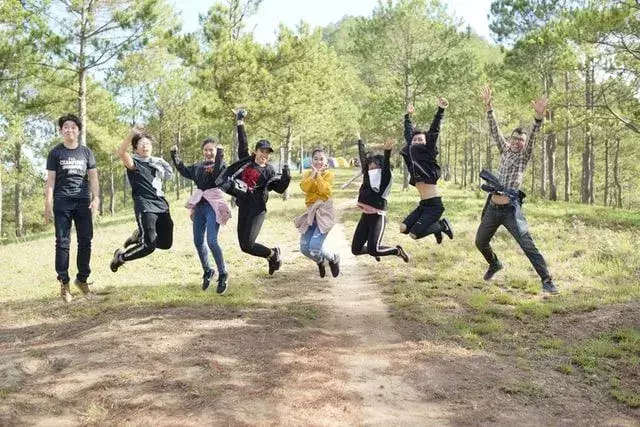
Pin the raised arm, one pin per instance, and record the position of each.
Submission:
(243, 144)
(434, 129)
(364, 166)
(386, 166)
(408, 125)
(493, 125)
(539, 106)
(122, 152)
(187, 172)
(219, 165)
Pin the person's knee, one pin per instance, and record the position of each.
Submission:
(403, 228)
(84, 242)
(481, 242)
(246, 247)
(63, 242)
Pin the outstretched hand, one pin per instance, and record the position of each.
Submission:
(174, 149)
(540, 106)
(487, 97)
(389, 144)
(410, 109)
(239, 113)
(442, 103)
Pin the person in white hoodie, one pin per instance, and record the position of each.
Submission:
(145, 173)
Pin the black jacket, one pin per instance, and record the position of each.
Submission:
(368, 195)
(258, 196)
(203, 174)
(421, 160)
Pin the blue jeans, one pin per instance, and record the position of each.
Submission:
(204, 218)
(312, 245)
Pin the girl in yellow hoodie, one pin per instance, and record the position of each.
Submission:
(317, 221)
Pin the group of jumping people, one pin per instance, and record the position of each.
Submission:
(72, 195)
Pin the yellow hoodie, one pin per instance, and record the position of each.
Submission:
(318, 188)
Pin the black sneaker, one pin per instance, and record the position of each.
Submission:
(321, 269)
(548, 288)
(492, 270)
(133, 239)
(402, 254)
(438, 237)
(275, 261)
(335, 265)
(222, 284)
(206, 279)
(117, 260)
(446, 228)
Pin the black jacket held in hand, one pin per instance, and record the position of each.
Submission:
(259, 180)
(368, 195)
(203, 174)
(421, 160)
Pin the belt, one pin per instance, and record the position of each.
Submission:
(497, 206)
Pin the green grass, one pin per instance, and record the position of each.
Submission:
(591, 252)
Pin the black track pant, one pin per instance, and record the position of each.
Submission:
(424, 219)
(249, 226)
(368, 237)
(156, 231)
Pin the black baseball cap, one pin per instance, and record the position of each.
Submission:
(263, 143)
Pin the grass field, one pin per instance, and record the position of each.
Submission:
(579, 350)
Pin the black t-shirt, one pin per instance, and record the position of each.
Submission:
(256, 177)
(71, 167)
(146, 197)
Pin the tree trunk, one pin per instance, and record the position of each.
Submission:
(586, 195)
(471, 161)
(287, 152)
(82, 79)
(112, 188)
(551, 153)
(616, 175)
(567, 143)
(605, 199)
(543, 166)
(101, 190)
(448, 166)
(455, 159)
(18, 191)
(466, 164)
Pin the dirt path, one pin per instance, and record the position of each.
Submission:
(357, 343)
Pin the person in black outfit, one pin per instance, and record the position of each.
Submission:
(145, 173)
(71, 194)
(420, 155)
(372, 200)
(249, 180)
(209, 208)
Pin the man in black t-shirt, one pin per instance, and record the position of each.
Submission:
(145, 173)
(71, 194)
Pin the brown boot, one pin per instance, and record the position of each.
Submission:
(83, 286)
(65, 292)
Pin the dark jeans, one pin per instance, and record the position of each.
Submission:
(78, 212)
(423, 220)
(156, 231)
(514, 221)
(249, 226)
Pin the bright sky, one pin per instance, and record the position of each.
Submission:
(323, 12)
